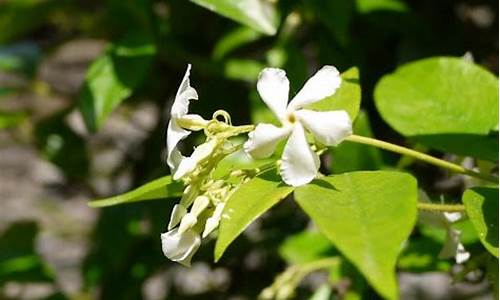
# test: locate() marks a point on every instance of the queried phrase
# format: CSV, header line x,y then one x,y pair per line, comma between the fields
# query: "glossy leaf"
x,y
113,77
347,97
481,204
257,14
443,102
248,202
234,40
163,187
368,216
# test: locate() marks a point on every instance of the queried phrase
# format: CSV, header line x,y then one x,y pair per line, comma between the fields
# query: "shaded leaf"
x,y
481,204
113,77
367,216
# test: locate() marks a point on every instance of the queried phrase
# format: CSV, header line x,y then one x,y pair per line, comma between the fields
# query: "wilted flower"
x,y
299,163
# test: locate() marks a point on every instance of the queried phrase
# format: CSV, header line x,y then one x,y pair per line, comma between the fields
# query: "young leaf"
x,y
113,77
347,97
481,204
257,14
162,187
367,215
442,102
248,202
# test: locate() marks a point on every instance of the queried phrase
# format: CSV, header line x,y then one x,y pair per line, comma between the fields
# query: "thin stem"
x,y
441,207
421,156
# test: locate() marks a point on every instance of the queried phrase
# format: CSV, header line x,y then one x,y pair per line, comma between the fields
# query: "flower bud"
x,y
187,222
199,205
175,217
189,164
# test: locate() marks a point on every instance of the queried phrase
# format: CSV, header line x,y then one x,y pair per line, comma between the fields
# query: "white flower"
x,y
200,153
179,112
180,247
299,163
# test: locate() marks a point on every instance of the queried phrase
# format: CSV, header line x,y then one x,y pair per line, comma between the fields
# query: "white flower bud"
x,y
199,205
180,247
189,164
175,217
213,222
187,222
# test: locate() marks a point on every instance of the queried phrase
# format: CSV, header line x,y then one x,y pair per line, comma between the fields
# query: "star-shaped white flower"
x,y
179,111
299,163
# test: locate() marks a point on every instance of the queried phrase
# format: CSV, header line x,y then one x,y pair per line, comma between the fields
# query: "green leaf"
x,y
347,97
481,204
257,14
370,6
248,202
305,247
163,187
336,16
353,157
444,103
238,160
243,69
113,77
233,40
367,215
12,119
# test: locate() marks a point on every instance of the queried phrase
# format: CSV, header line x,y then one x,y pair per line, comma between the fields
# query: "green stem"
x,y
441,207
421,156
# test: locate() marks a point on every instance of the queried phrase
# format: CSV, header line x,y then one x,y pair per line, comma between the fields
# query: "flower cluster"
x,y
202,203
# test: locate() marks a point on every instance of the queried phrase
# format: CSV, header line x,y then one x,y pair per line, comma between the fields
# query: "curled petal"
x,y
188,164
174,135
321,85
273,87
180,247
330,127
263,140
299,163
184,94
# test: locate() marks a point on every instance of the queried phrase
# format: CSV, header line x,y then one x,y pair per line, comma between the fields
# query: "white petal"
x,y
176,215
174,135
193,122
330,127
273,87
452,216
462,254
263,140
323,84
184,94
188,164
299,163
180,247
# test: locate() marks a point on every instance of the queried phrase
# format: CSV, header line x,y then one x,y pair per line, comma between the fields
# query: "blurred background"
x,y
57,152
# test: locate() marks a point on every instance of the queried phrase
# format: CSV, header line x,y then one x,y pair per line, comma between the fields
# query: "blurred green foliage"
x,y
148,44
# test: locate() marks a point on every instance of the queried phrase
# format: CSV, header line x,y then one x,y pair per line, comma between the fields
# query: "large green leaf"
x,y
443,102
113,77
305,247
367,215
481,204
163,187
248,202
257,14
347,97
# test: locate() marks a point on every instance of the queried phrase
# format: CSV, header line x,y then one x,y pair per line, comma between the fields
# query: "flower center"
x,y
290,117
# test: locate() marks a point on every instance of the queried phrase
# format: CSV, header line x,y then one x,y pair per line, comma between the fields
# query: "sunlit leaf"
x,y
481,204
305,247
163,187
248,202
443,102
257,14
367,215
